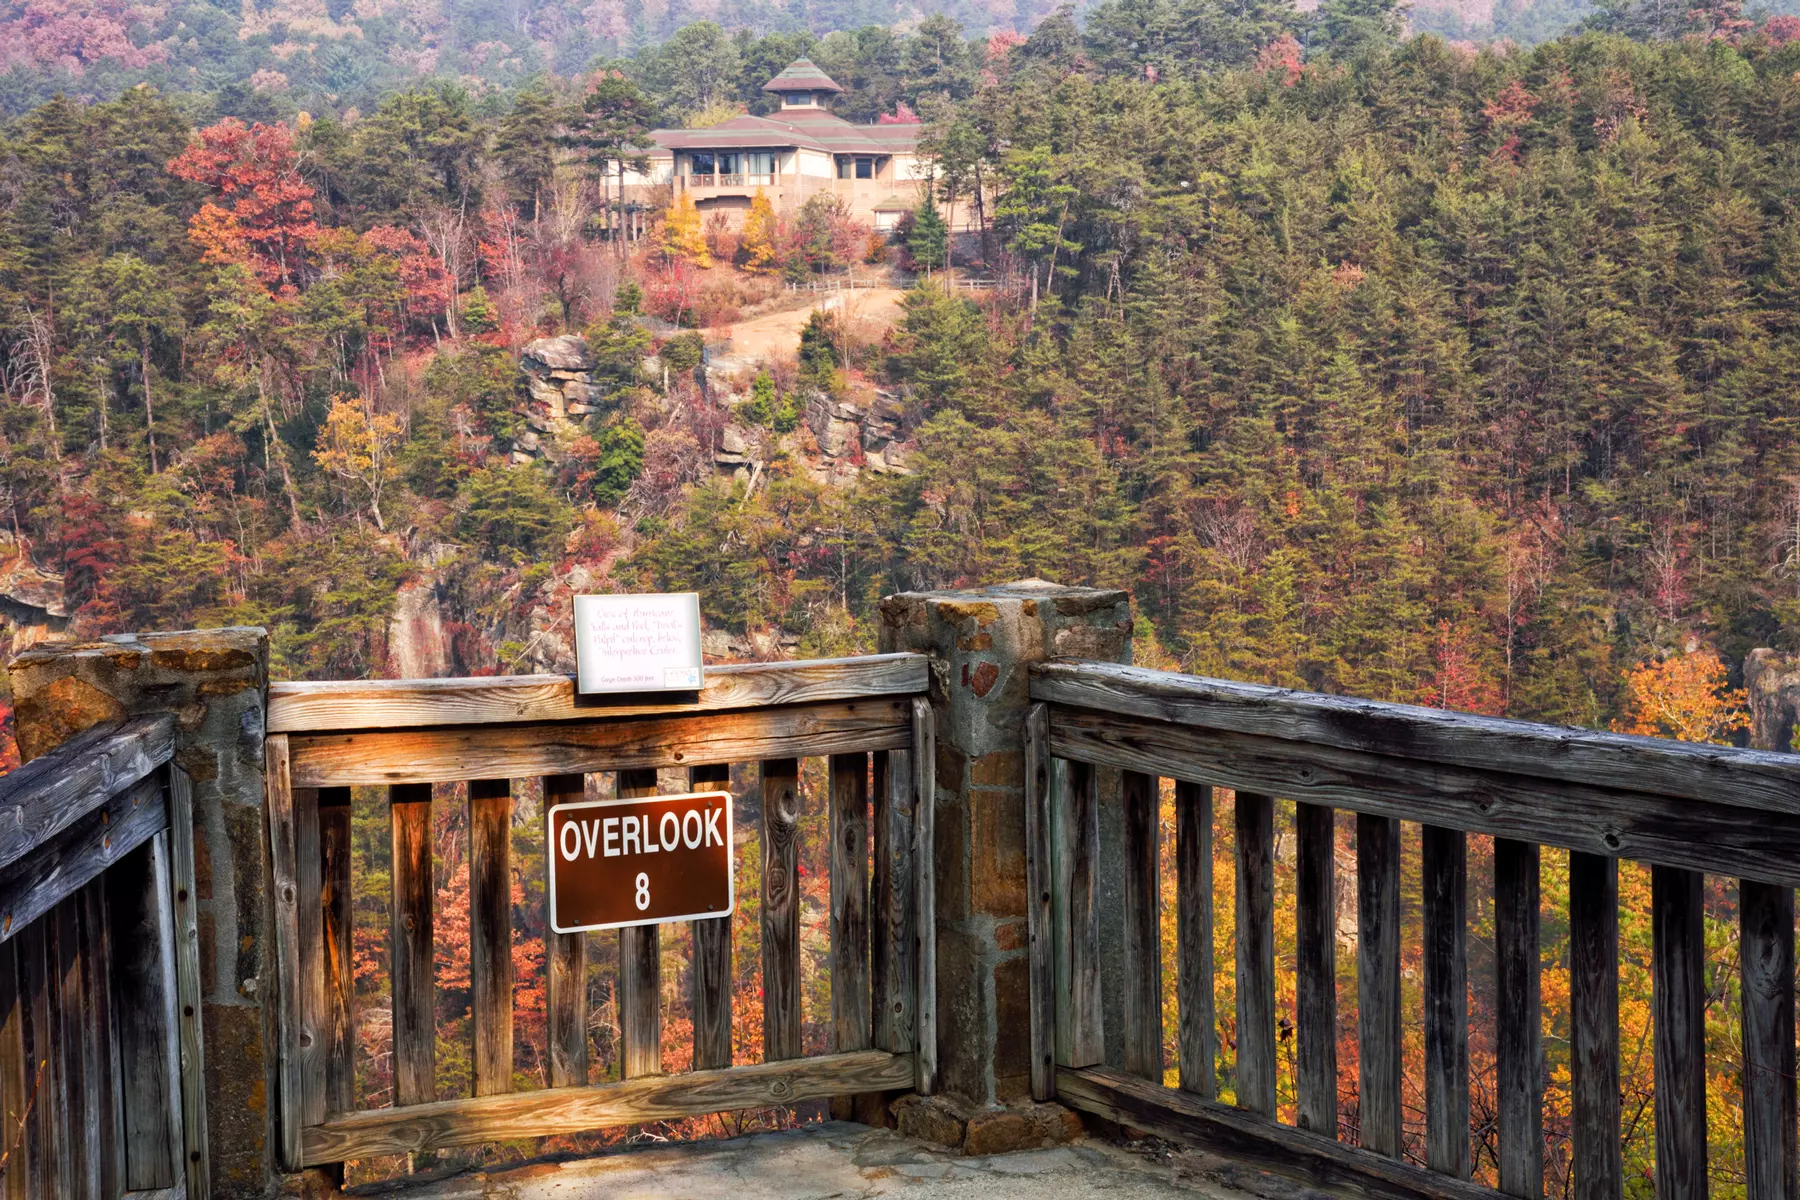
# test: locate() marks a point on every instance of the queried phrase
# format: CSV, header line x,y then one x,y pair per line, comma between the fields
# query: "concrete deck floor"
x,y
840,1161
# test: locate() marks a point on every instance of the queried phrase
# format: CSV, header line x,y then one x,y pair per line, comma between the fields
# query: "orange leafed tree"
x,y
1685,696
263,214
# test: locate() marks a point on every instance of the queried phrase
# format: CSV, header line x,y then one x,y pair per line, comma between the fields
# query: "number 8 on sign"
x,y
643,891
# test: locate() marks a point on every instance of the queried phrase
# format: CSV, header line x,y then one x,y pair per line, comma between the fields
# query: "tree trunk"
x,y
149,409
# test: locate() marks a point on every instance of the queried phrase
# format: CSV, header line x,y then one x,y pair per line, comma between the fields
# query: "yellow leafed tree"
x,y
1685,696
757,245
356,444
683,236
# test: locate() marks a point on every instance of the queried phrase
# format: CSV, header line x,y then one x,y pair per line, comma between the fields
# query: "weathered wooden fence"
x,y
100,1052
1685,809
410,734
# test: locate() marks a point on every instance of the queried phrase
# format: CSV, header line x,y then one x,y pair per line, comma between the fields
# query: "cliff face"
x,y
559,393
31,599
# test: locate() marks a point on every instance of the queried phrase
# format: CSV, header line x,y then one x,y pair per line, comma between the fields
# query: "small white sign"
x,y
637,643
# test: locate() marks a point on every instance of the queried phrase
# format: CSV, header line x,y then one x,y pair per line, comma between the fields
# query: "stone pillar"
x,y
981,642
1772,683
216,682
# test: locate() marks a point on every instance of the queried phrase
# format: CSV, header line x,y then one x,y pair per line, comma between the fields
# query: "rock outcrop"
x,y
559,385
32,608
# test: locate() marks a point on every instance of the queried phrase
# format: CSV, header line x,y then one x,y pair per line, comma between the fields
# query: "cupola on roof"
x,y
802,75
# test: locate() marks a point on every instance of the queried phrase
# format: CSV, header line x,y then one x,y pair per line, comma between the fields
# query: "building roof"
x,y
813,129
802,75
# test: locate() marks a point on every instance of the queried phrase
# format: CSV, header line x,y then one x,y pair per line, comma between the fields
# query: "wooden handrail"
x,y
52,792
421,703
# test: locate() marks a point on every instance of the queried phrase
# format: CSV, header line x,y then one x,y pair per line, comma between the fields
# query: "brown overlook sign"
x,y
642,861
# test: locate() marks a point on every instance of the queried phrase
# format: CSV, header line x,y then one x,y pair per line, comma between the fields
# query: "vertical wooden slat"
x,y
35,1003
924,729
1315,968
892,964
1076,834
640,969
1256,953
781,908
309,872
565,968
849,822
144,985
71,1162
1197,1026
96,1111
1678,964
1378,981
1766,926
1596,1162
187,981
712,957
1039,920
1519,1053
334,923
490,933
285,883
1143,926
1445,854
411,950
13,1073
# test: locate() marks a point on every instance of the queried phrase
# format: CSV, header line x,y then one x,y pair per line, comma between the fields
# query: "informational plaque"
x,y
642,861
637,643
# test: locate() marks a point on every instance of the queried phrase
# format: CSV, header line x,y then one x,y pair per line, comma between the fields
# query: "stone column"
x,y
981,643
216,682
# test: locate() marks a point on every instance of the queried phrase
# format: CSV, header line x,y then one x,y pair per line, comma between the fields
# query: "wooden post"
x,y
411,947
1256,952
1446,905
1039,910
1678,966
1378,980
640,970
1198,1039
1594,1026
490,933
712,957
781,909
849,826
565,967
1315,946
1519,1048
1766,924
1143,926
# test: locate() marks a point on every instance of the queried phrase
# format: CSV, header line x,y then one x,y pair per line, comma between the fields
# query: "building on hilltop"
x,y
801,150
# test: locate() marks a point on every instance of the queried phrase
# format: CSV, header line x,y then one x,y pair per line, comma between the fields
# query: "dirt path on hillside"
x,y
870,312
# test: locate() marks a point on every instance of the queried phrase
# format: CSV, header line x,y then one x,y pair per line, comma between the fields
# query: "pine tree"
x,y
929,241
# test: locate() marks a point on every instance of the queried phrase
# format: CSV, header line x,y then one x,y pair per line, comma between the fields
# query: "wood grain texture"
x,y
411,948
13,1074
640,970
712,957
36,999
1596,1161
1255,827
1254,1140
1766,929
1378,982
849,823
416,703
450,1123
781,909
442,755
1702,835
1445,895
924,751
1518,1041
1678,1011
143,985
71,1160
309,866
335,922
197,1175
98,1108
893,965
1315,969
1040,922
1751,779
490,934
1142,1034
60,868
1080,1036
53,791
284,883
565,968
1197,1037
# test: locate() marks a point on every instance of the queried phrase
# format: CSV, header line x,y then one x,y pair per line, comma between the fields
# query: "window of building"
x,y
759,166
700,162
865,168
729,162
846,166
797,99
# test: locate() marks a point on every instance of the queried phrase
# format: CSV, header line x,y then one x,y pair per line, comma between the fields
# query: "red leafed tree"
x,y
421,272
263,217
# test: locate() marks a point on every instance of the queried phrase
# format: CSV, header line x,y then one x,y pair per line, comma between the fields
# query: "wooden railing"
x,y
1685,809
101,1093
410,734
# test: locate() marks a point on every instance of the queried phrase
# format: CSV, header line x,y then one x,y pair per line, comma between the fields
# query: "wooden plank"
x,y
143,984
712,958
95,1104
339,1028
14,1075
1040,923
1080,1037
849,824
1256,953
640,970
1594,1027
1678,1012
1700,835
1315,969
284,872
36,999
1255,1141
1143,926
309,870
191,1040
1197,1036
65,1051
1445,855
565,968
1753,779
490,933
1519,1052
443,755
78,855
893,965
1378,981
1766,927
450,1123
781,909
414,703
411,949
53,791
924,750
